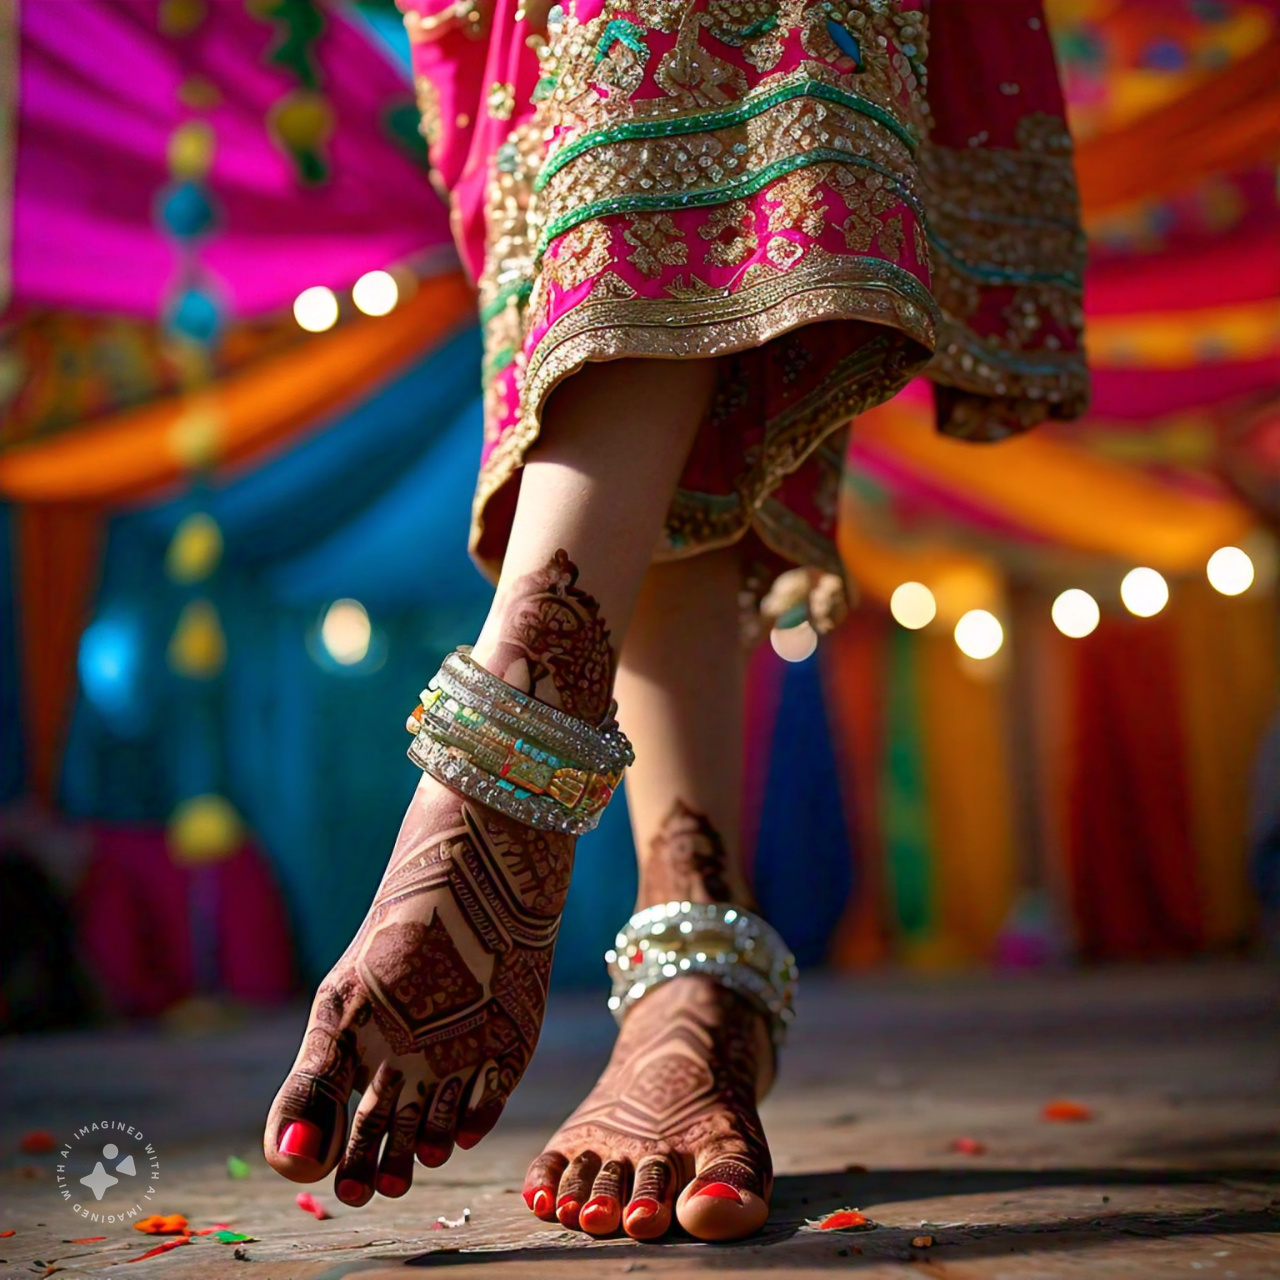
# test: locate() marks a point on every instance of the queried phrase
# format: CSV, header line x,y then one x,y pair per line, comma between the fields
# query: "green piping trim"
x,y
521,291
723,118
747,185
999,275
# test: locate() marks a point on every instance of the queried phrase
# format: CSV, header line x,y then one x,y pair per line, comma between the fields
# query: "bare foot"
x,y
434,1009
671,1127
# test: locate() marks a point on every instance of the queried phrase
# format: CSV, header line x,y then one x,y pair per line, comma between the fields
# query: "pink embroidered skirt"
x,y
828,196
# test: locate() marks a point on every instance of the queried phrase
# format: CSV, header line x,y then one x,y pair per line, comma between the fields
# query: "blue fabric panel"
x,y
802,870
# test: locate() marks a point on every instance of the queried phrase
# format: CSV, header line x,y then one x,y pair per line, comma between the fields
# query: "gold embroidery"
x,y
730,233
578,256
658,243
428,109
501,101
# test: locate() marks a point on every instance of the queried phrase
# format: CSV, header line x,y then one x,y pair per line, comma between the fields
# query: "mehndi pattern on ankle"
x,y
508,750
739,949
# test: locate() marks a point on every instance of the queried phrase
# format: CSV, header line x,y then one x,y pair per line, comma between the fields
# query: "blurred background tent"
x,y
241,414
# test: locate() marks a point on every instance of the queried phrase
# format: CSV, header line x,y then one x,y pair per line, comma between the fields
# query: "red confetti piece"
x,y
160,1248
5,1234
968,1146
89,1240
1064,1109
845,1220
208,1231
162,1224
309,1204
37,1142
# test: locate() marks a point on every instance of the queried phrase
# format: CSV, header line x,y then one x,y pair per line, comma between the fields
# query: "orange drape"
x,y
1228,122
266,405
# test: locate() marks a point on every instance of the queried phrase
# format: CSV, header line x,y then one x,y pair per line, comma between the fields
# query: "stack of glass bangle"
x,y
737,948
542,767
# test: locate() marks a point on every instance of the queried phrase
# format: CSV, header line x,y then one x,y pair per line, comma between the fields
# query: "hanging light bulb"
x,y
1144,592
316,309
346,632
913,606
1230,571
1075,613
376,293
979,634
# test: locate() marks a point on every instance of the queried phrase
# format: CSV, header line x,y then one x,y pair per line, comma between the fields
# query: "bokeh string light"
x,y
376,293
979,635
913,606
346,632
1076,614
316,309
1144,592
1230,571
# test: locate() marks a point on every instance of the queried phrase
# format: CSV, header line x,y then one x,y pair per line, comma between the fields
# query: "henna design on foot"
x,y
434,1010
675,1109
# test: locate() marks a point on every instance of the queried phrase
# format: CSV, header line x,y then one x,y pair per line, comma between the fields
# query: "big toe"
x,y
724,1203
306,1126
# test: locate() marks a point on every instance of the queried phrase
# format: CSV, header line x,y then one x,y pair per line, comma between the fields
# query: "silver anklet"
x,y
542,767
739,949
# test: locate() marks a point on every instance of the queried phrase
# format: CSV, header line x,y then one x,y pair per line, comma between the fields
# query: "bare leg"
x,y
434,1009
674,1114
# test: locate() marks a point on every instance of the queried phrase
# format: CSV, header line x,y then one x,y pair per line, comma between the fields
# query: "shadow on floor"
x,y
787,1243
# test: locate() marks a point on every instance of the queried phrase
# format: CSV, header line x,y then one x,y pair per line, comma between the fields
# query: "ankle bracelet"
x,y
739,949
542,767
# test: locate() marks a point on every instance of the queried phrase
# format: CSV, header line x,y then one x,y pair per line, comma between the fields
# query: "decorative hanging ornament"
x,y
194,550
198,647
204,829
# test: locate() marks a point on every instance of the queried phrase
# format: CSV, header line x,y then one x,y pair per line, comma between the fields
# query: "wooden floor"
x,y
1177,1173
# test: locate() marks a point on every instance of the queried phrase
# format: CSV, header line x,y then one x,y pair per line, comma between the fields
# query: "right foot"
x,y
434,1009
671,1128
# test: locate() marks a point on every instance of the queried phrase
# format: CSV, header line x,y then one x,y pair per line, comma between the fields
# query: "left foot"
x,y
671,1128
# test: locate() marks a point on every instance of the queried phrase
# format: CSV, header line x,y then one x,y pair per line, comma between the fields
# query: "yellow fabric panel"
x,y
969,779
1228,673
1061,493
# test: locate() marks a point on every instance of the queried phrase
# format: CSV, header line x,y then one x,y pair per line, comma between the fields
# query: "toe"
x,y
648,1212
601,1215
395,1169
541,1183
725,1202
356,1170
575,1188
484,1106
440,1124
307,1122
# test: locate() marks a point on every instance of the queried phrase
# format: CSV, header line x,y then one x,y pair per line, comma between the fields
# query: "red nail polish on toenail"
x,y
539,1201
719,1191
642,1208
300,1138
597,1207
567,1211
349,1189
432,1156
389,1185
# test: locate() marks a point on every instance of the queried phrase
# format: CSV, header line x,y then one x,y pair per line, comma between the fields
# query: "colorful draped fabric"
x,y
827,196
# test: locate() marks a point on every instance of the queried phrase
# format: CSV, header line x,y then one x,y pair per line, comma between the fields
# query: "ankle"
x,y
687,861
544,636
